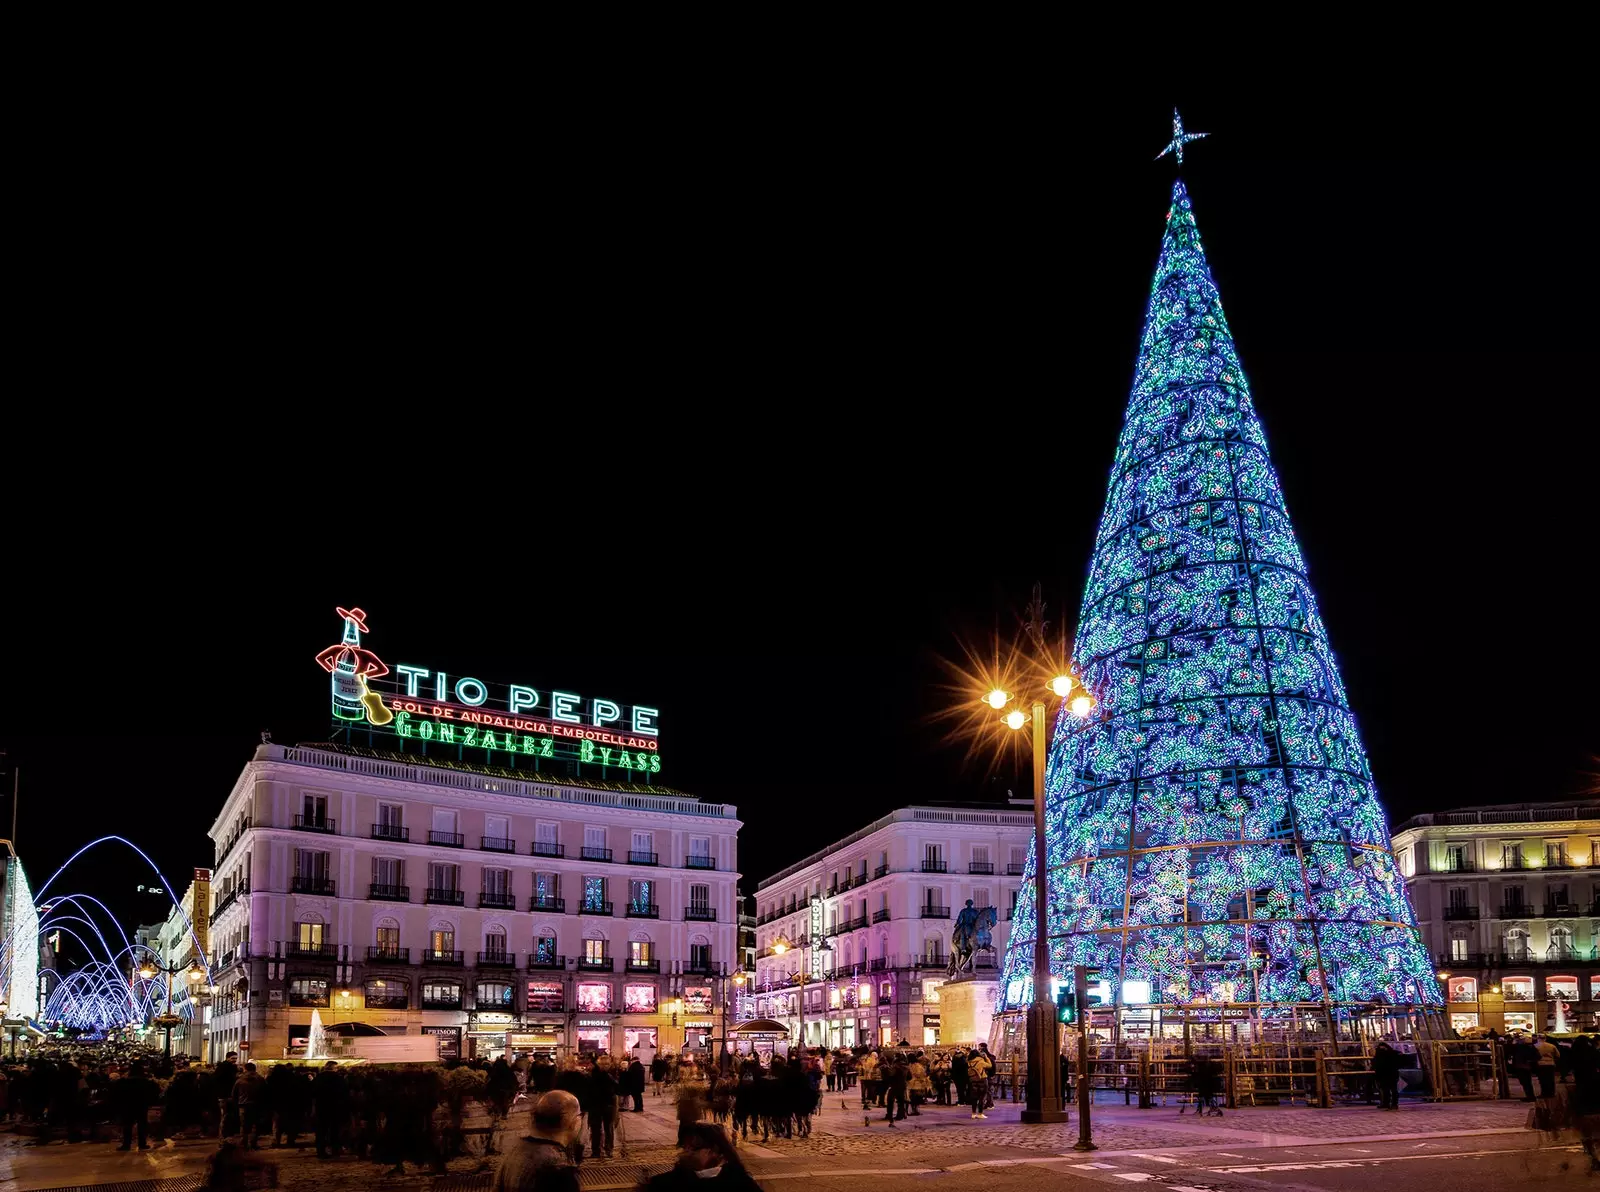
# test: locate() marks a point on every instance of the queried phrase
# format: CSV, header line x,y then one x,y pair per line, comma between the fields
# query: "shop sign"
x,y
423,709
518,1039
930,1020
449,1040
275,998
605,1022
697,1026
494,1018
545,995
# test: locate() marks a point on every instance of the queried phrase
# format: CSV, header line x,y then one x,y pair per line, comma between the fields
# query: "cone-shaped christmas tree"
x,y
1214,837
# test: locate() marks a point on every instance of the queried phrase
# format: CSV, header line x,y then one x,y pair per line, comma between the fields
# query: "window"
x,y
545,997
441,995
930,950
1455,858
980,897
886,992
1556,895
391,817
594,998
311,868
444,822
700,897
594,951
544,949
1515,944
308,991
594,843
643,844
640,898
388,872
700,851
638,999
1561,947
1463,989
641,951
980,854
442,941
933,898
384,994
1511,856
546,839
389,940
443,876
497,827
308,937
1458,949
700,957
492,995
497,883
1513,903
546,887
1565,988
1517,989
1018,855
932,858
314,810
1458,898
494,943
1555,852
594,893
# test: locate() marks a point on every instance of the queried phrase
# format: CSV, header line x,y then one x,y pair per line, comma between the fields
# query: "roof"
x,y
523,775
1505,813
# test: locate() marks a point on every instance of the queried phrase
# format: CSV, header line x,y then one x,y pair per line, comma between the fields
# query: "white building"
x,y
182,939
1508,898
487,910
885,900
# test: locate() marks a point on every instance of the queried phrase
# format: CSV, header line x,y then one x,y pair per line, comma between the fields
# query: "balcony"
x,y
935,912
382,892
980,867
1474,960
1014,869
448,839
1459,865
881,916
397,832
1460,912
543,902
643,858
1561,910
310,884
643,966
879,965
228,899
595,908
880,871
299,950
497,844
544,960
225,850
855,924
833,890
441,957
442,1003
503,901
1516,910
596,964
934,960
845,883
593,852
693,861
547,848
316,823
930,866
436,896
381,954
497,960
643,910
700,914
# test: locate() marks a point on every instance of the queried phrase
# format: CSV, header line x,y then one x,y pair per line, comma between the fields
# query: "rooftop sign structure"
x,y
426,710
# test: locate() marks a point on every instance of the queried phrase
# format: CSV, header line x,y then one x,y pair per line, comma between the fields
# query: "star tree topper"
x,y
1179,138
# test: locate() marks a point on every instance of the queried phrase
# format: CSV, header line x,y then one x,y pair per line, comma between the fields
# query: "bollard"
x,y
1144,1080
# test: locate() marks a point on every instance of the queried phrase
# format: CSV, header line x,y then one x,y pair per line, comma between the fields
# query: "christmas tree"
x,y
1214,837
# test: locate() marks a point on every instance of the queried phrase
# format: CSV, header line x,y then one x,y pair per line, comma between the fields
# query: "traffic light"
x,y
1066,1006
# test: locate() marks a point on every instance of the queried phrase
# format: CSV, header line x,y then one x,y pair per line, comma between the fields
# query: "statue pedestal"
x,y
966,1008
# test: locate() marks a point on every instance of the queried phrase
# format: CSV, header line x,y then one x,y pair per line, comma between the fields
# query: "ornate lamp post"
x,y
1044,1052
193,972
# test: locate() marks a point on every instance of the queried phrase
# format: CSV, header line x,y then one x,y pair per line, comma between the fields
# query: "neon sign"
x,y
426,709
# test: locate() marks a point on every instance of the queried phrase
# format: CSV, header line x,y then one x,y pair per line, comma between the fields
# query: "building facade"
x,y
486,910
183,938
1508,898
882,902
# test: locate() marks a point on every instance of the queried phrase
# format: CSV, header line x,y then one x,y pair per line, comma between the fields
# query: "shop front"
x,y
930,1030
486,1034
449,1039
537,1038
697,1034
594,1033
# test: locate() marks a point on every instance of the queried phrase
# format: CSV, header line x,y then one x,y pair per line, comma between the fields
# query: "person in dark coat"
x,y
706,1162
600,1103
330,1093
633,1084
658,1073
502,1086
133,1096
1386,1065
895,1078
958,1074
222,1080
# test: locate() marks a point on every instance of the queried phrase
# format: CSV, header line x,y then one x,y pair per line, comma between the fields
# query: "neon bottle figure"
x,y
350,665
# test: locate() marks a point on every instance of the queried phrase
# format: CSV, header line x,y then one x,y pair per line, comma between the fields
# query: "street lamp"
x,y
1044,1051
194,973
779,947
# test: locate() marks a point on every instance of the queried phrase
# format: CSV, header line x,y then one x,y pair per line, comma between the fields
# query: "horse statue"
x,y
970,936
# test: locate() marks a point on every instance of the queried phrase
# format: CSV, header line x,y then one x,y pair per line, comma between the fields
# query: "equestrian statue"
x,y
970,936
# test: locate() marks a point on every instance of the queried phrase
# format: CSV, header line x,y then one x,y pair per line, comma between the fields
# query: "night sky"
x,y
758,415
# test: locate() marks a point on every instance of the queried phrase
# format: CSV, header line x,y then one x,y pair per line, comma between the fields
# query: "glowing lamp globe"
x,y
147,971
1062,686
996,699
1082,704
779,948
1015,718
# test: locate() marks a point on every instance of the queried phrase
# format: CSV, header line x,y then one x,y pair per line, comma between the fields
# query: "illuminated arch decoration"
x,y
1213,829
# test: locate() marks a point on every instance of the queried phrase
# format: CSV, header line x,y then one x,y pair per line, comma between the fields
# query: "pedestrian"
x,y
135,1094
1386,1063
1544,1065
959,1075
658,1073
978,1069
867,1072
222,1082
691,1101
250,1095
601,1106
706,1161
541,1160
502,1087
633,1082
918,1084
895,1079
827,1069
331,1095
1521,1060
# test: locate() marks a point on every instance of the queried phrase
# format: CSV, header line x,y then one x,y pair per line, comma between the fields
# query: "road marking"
x,y
1230,1155
759,1152
1361,1150
1094,1167
1186,1188
1381,1159
1157,1158
1137,1177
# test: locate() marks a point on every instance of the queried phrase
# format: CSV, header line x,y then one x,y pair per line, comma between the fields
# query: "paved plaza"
x,y
1478,1143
